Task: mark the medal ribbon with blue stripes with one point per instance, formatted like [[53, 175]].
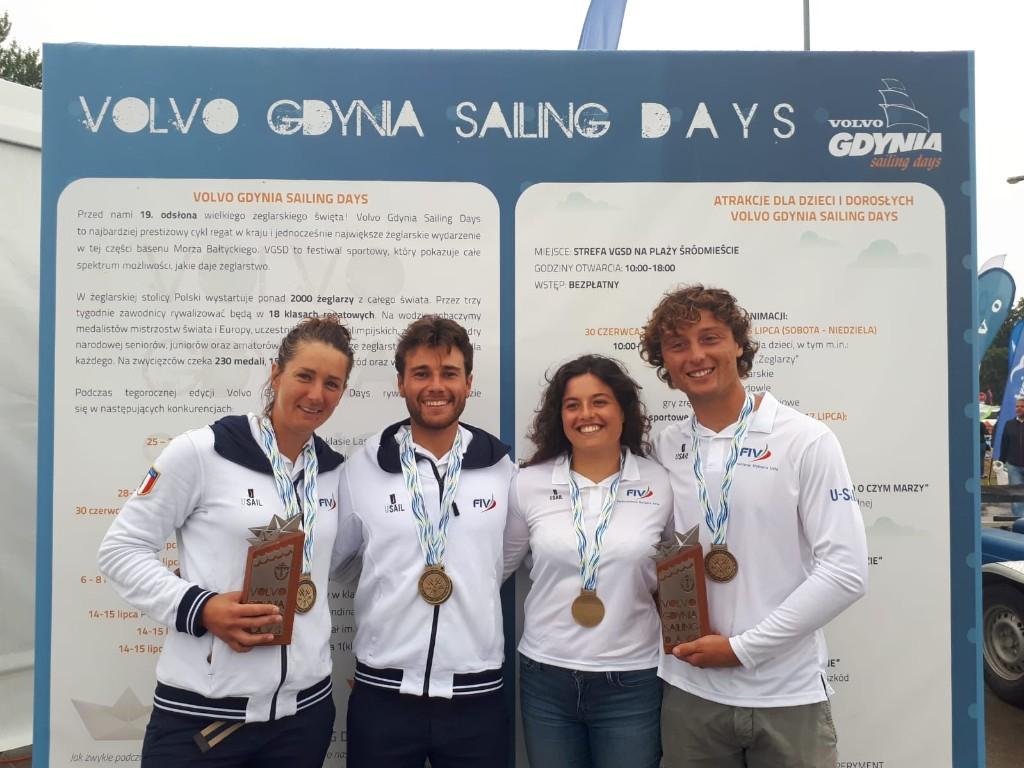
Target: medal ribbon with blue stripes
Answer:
[[432, 541], [589, 565], [286, 490], [719, 525]]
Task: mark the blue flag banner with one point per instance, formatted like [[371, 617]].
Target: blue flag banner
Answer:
[[1018, 329], [996, 291], [1014, 389], [602, 26]]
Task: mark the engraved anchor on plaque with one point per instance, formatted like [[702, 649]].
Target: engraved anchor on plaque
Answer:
[[273, 566], [682, 593]]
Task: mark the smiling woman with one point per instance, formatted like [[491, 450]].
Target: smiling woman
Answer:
[[212, 488], [590, 693], [307, 381]]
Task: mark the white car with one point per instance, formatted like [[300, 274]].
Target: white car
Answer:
[[1003, 627]]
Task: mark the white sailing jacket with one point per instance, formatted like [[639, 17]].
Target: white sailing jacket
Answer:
[[211, 486], [402, 643]]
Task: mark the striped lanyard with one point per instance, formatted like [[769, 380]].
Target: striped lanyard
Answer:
[[589, 565], [286, 489], [719, 526], [432, 541]]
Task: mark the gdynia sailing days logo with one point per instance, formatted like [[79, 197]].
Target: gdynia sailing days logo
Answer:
[[903, 129]]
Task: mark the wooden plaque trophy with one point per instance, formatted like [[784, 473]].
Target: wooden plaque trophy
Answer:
[[682, 593], [273, 567]]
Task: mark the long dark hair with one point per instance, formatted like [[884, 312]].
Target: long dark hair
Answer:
[[546, 431]]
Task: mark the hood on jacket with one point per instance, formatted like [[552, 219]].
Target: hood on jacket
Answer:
[[233, 440], [484, 450]]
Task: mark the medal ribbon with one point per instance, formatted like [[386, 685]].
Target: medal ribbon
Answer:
[[432, 541], [719, 526], [589, 565], [286, 489]]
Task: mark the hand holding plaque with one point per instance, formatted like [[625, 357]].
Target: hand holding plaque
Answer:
[[682, 593], [273, 568], [227, 617]]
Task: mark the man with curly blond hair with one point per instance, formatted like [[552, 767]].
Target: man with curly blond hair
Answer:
[[784, 542]]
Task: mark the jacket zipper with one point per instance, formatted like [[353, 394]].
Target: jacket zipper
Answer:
[[284, 648], [284, 674]]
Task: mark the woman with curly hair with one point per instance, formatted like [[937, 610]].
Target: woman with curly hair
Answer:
[[589, 508]]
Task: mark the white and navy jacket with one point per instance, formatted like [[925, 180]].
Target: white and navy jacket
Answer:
[[402, 643], [212, 485]]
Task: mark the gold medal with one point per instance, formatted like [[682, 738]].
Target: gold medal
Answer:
[[720, 564], [306, 595], [587, 609], [435, 585]]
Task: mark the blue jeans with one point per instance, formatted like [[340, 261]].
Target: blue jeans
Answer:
[[574, 719], [1015, 475]]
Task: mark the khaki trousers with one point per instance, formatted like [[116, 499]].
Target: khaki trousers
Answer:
[[697, 733]]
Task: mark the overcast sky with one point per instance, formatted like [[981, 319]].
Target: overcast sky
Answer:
[[992, 29]]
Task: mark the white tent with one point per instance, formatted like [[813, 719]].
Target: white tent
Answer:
[[20, 142]]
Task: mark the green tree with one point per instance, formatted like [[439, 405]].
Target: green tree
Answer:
[[17, 64], [994, 366]]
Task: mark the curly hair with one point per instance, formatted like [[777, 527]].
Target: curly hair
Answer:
[[434, 331], [327, 330], [680, 308], [547, 433]]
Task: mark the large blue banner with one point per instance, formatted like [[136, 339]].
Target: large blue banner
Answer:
[[1014, 391], [196, 202]]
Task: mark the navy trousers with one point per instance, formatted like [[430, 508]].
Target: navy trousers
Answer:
[[299, 741], [387, 729]]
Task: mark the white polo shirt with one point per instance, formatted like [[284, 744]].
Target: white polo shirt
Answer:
[[797, 533], [540, 520]]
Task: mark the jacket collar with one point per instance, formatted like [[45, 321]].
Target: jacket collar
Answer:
[[233, 440], [484, 450]]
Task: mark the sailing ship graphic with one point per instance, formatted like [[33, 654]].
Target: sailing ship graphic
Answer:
[[899, 108]]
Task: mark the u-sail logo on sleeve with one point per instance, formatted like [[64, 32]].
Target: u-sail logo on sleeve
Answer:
[[842, 494], [485, 505], [890, 139], [154, 115]]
